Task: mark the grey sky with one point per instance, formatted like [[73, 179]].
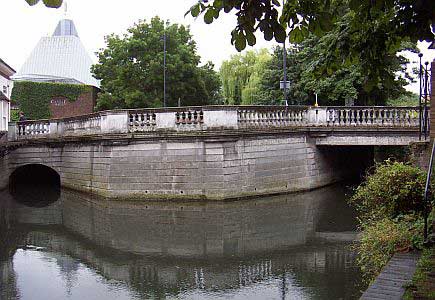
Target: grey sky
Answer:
[[22, 26]]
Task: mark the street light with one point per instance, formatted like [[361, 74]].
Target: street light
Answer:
[[164, 66], [424, 90], [284, 84]]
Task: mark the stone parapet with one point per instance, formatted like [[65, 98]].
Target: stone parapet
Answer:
[[218, 118]]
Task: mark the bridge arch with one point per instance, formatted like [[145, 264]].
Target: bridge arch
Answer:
[[35, 185]]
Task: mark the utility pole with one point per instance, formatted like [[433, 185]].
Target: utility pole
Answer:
[[420, 108], [164, 67], [284, 63]]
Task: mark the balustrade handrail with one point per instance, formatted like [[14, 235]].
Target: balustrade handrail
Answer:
[[34, 121], [243, 117], [213, 107], [79, 118], [371, 106]]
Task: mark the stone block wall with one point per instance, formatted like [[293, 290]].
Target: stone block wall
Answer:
[[4, 171], [229, 168], [194, 168]]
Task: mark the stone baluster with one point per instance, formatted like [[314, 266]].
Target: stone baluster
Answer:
[[353, 117], [343, 117], [395, 117], [392, 117], [363, 117], [371, 117], [416, 117], [290, 115], [381, 113], [299, 118], [357, 117], [386, 117], [252, 119], [279, 119]]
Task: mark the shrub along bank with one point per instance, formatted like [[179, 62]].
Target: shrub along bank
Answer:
[[390, 204]]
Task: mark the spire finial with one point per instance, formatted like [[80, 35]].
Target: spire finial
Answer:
[[65, 7]]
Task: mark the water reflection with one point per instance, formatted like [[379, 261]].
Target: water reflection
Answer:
[[256, 249]]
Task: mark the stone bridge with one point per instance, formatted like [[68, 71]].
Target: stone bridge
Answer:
[[214, 152]]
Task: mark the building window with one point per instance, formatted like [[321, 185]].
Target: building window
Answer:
[[58, 102], [5, 90]]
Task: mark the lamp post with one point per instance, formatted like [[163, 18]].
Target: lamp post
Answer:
[[164, 67], [284, 84], [284, 63], [424, 92]]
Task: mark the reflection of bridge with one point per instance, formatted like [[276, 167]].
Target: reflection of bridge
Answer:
[[209, 152]]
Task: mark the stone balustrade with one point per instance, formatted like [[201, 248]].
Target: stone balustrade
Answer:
[[142, 121], [373, 116], [272, 116], [31, 128], [81, 126]]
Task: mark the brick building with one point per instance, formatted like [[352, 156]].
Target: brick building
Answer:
[[62, 58]]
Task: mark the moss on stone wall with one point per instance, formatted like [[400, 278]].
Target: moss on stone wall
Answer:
[[34, 98]]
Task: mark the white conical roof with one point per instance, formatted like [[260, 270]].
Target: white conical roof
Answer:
[[59, 58]]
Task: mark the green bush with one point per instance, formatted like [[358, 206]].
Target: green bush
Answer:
[[15, 115], [394, 188], [390, 204], [381, 239]]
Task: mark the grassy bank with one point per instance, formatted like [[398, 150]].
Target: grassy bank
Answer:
[[423, 282]]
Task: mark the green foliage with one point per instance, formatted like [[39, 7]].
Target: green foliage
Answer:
[[240, 76], [403, 18], [48, 3], [370, 32], [393, 189], [34, 98], [310, 71], [381, 239], [15, 115], [406, 99], [131, 68], [390, 203]]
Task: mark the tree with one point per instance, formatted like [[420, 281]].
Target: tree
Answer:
[[309, 73], [240, 76], [368, 30], [410, 18], [48, 3], [131, 68]]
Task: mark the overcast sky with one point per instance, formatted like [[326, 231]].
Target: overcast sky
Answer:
[[22, 26]]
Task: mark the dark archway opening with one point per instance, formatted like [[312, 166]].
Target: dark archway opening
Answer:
[[35, 185]]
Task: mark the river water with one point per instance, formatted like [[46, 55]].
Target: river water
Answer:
[[82, 247]]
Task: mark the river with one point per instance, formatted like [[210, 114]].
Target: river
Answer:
[[82, 247]]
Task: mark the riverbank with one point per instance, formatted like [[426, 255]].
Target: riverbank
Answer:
[[395, 276], [423, 282]]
